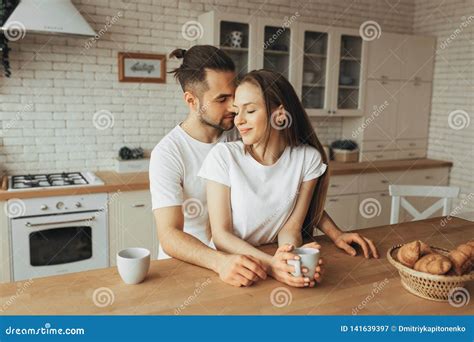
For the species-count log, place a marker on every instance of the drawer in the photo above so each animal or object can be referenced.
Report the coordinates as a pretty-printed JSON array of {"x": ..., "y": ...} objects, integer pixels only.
[
  {"x": 412, "y": 154},
  {"x": 378, "y": 145},
  {"x": 374, "y": 209},
  {"x": 412, "y": 144},
  {"x": 376, "y": 155},
  {"x": 347, "y": 184},
  {"x": 376, "y": 181},
  {"x": 437, "y": 176}
]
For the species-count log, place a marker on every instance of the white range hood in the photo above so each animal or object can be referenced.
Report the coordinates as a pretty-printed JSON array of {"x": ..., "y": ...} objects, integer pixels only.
[{"x": 49, "y": 17}]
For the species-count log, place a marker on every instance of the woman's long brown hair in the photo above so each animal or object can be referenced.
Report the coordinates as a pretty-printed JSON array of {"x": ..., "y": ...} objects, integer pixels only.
[{"x": 297, "y": 130}]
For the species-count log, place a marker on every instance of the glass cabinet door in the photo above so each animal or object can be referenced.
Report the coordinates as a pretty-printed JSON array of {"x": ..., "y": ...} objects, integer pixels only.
[
  {"x": 314, "y": 70},
  {"x": 234, "y": 40},
  {"x": 349, "y": 78},
  {"x": 276, "y": 47}
]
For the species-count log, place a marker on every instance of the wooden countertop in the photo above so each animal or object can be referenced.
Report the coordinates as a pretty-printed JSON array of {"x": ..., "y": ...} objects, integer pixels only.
[
  {"x": 174, "y": 285},
  {"x": 139, "y": 180}
]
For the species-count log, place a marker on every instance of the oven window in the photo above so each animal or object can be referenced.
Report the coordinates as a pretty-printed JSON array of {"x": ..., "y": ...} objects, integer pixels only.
[{"x": 60, "y": 245}]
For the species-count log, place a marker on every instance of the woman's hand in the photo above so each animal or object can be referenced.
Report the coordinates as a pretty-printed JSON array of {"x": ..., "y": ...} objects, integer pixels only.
[
  {"x": 344, "y": 241},
  {"x": 319, "y": 269},
  {"x": 281, "y": 271}
]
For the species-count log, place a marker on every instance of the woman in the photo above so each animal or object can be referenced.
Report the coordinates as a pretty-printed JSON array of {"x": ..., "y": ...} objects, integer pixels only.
[{"x": 271, "y": 185}]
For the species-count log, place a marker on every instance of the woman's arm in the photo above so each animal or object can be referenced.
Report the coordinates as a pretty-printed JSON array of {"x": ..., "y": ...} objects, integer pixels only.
[
  {"x": 220, "y": 216},
  {"x": 291, "y": 231}
]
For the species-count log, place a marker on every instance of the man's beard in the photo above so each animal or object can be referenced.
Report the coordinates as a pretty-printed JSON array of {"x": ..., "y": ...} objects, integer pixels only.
[{"x": 217, "y": 125}]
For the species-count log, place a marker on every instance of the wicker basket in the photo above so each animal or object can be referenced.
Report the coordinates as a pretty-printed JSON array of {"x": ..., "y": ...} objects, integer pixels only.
[{"x": 424, "y": 285}]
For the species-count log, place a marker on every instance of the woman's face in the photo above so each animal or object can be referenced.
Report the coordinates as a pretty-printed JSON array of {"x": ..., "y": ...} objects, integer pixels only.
[{"x": 252, "y": 117}]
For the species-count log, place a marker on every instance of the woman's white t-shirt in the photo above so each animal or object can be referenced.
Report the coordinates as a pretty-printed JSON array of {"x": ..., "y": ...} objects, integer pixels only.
[{"x": 262, "y": 196}]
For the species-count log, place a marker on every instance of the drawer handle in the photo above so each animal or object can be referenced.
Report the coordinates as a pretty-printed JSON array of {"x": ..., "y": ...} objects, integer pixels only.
[
  {"x": 384, "y": 181},
  {"x": 379, "y": 156},
  {"x": 412, "y": 144},
  {"x": 412, "y": 154},
  {"x": 428, "y": 177},
  {"x": 138, "y": 205},
  {"x": 379, "y": 145},
  {"x": 333, "y": 200},
  {"x": 383, "y": 195},
  {"x": 334, "y": 185}
]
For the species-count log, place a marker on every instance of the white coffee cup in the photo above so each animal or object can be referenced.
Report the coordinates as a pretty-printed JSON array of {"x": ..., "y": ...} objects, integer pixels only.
[
  {"x": 133, "y": 264},
  {"x": 309, "y": 258}
]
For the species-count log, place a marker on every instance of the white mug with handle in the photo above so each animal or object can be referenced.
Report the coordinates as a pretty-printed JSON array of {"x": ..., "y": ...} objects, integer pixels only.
[{"x": 309, "y": 258}]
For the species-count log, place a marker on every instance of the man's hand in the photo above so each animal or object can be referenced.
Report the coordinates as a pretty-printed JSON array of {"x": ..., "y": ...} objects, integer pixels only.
[
  {"x": 281, "y": 271},
  {"x": 319, "y": 268},
  {"x": 344, "y": 241},
  {"x": 241, "y": 270}
]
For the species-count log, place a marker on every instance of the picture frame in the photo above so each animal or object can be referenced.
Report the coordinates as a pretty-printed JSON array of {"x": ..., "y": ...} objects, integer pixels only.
[{"x": 141, "y": 67}]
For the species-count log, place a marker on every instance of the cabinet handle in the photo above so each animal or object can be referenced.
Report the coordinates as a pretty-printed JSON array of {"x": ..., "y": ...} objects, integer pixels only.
[
  {"x": 334, "y": 185},
  {"x": 333, "y": 200},
  {"x": 417, "y": 81},
  {"x": 379, "y": 156},
  {"x": 384, "y": 79},
  {"x": 380, "y": 146},
  {"x": 383, "y": 195},
  {"x": 384, "y": 181},
  {"x": 412, "y": 144},
  {"x": 412, "y": 154},
  {"x": 138, "y": 205},
  {"x": 334, "y": 112},
  {"x": 329, "y": 112},
  {"x": 428, "y": 177}
]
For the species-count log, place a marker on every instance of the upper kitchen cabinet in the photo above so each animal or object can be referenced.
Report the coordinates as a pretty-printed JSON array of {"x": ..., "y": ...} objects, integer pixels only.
[
  {"x": 384, "y": 57},
  {"x": 417, "y": 58},
  {"x": 349, "y": 81},
  {"x": 276, "y": 46},
  {"x": 235, "y": 34},
  {"x": 314, "y": 72}
]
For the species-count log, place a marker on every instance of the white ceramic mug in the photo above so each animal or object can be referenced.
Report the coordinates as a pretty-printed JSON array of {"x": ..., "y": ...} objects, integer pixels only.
[
  {"x": 309, "y": 258},
  {"x": 133, "y": 264}
]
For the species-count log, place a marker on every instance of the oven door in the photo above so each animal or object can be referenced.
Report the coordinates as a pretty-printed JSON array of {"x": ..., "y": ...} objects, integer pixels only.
[{"x": 57, "y": 244}]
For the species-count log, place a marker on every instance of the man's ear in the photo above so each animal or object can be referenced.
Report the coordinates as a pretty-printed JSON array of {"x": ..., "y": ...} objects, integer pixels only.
[{"x": 192, "y": 101}]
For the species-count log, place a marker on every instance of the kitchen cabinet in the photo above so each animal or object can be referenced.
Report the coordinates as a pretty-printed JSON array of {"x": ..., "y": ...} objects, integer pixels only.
[
  {"x": 417, "y": 58},
  {"x": 131, "y": 223},
  {"x": 363, "y": 201},
  {"x": 414, "y": 110},
  {"x": 384, "y": 57},
  {"x": 325, "y": 65},
  {"x": 233, "y": 33},
  {"x": 4, "y": 245}
]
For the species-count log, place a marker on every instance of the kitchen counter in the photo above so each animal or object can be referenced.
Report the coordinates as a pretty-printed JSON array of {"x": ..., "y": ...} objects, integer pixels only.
[
  {"x": 174, "y": 287},
  {"x": 139, "y": 180}
]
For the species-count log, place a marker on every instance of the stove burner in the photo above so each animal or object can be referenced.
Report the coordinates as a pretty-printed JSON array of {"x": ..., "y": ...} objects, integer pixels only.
[{"x": 47, "y": 180}]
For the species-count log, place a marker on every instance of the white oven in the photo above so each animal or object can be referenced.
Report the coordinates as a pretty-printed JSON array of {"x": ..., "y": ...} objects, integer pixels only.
[{"x": 56, "y": 235}]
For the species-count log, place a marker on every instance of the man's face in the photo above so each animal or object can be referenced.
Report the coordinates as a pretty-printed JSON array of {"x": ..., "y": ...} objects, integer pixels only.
[{"x": 216, "y": 103}]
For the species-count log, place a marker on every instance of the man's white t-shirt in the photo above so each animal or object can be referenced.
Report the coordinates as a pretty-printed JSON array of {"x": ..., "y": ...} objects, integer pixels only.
[
  {"x": 262, "y": 197},
  {"x": 174, "y": 164}
]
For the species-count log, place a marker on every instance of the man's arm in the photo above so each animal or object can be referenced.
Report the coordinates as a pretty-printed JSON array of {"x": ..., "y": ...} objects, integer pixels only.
[
  {"x": 236, "y": 270},
  {"x": 343, "y": 240}
]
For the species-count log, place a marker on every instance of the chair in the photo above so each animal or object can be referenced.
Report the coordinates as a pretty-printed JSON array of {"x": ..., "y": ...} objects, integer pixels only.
[{"x": 399, "y": 192}]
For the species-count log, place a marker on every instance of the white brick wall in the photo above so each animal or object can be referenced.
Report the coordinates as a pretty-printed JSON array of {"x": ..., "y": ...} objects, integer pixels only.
[
  {"x": 453, "y": 87},
  {"x": 46, "y": 107}
]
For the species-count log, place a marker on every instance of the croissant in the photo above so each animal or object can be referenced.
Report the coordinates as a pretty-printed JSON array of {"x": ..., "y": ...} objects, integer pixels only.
[
  {"x": 461, "y": 257},
  {"x": 409, "y": 253},
  {"x": 433, "y": 264}
]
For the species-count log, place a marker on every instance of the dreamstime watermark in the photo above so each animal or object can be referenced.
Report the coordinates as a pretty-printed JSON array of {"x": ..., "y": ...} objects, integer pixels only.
[
  {"x": 377, "y": 110},
  {"x": 192, "y": 30},
  {"x": 458, "y": 209},
  {"x": 197, "y": 291},
  {"x": 14, "y": 31},
  {"x": 18, "y": 117},
  {"x": 281, "y": 121},
  {"x": 287, "y": 22},
  {"x": 103, "y": 119},
  {"x": 464, "y": 24},
  {"x": 103, "y": 296},
  {"x": 458, "y": 119},
  {"x": 22, "y": 287},
  {"x": 370, "y": 30},
  {"x": 109, "y": 22},
  {"x": 370, "y": 207},
  {"x": 281, "y": 297},
  {"x": 192, "y": 208},
  {"x": 377, "y": 287},
  {"x": 14, "y": 208},
  {"x": 459, "y": 297}
]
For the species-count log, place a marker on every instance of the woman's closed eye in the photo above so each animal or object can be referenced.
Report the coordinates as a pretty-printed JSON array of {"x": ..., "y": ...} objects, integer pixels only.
[{"x": 251, "y": 111}]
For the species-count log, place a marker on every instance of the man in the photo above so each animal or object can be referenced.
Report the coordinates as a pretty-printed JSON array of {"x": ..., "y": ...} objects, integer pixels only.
[{"x": 207, "y": 77}]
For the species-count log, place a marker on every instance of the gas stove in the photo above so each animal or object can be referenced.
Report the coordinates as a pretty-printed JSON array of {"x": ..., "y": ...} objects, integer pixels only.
[{"x": 52, "y": 180}]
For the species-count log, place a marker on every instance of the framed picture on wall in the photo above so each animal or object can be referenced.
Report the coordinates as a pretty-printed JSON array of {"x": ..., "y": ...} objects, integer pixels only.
[{"x": 142, "y": 67}]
